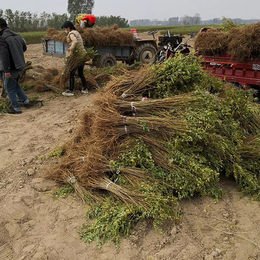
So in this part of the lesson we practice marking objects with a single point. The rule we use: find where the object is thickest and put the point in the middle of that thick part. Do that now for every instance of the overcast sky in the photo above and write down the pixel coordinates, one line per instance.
(148, 9)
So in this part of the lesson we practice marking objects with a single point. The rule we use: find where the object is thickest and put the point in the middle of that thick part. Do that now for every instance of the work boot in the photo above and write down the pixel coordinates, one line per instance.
(13, 111)
(27, 103)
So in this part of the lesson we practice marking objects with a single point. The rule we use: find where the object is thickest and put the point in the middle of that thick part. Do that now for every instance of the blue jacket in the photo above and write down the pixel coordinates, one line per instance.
(16, 46)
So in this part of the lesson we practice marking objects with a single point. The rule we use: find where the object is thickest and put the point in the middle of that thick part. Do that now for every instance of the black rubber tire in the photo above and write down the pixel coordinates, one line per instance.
(105, 60)
(146, 53)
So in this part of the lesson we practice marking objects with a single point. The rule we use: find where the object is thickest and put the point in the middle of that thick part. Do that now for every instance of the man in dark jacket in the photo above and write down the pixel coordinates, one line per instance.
(12, 63)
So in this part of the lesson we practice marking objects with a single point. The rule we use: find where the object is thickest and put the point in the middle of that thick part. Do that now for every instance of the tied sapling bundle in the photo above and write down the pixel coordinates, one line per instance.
(150, 161)
(148, 107)
(79, 57)
(212, 42)
(97, 36)
(239, 41)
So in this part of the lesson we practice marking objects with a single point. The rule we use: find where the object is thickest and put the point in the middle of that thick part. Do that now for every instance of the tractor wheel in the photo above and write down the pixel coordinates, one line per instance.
(146, 53)
(105, 60)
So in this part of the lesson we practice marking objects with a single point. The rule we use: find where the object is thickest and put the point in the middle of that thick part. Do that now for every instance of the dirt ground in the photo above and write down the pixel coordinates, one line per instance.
(35, 225)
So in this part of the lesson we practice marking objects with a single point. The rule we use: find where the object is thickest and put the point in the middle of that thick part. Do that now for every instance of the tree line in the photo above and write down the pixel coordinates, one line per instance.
(27, 21)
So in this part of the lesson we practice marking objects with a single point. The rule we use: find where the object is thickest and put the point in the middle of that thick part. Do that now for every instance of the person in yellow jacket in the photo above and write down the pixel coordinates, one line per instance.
(74, 39)
(86, 20)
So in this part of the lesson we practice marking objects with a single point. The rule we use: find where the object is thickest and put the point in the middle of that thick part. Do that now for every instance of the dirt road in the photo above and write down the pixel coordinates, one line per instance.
(34, 225)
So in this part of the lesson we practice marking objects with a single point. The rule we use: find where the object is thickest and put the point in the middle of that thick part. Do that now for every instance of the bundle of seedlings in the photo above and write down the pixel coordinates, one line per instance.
(98, 36)
(118, 85)
(161, 195)
(191, 162)
(48, 77)
(79, 57)
(173, 77)
(212, 42)
(51, 78)
(241, 42)
(156, 125)
(248, 174)
(148, 107)
(86, 157)
(225, 124)
(150, 162)
(56, 35)
(102, 36)
(177, 76)
(107, 74)
(244, 43)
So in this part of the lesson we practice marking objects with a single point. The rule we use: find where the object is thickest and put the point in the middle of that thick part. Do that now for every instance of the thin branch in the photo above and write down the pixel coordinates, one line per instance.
(235, 234)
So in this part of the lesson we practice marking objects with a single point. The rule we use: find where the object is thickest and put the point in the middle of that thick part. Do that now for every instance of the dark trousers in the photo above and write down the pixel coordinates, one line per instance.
(13, 89)
(80, 70)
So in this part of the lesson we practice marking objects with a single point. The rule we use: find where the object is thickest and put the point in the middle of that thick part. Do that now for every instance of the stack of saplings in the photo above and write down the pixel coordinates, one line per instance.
(170, 136)
(97, 36)
(240, 42)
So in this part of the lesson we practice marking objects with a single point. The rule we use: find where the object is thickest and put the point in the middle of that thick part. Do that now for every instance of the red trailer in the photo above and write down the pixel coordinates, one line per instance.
(246, 74)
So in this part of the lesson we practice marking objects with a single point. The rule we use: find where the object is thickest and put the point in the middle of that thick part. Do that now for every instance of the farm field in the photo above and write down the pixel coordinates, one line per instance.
(35, 225)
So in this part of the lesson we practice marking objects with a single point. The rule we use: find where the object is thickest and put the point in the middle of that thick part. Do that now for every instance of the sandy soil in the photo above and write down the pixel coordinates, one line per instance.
(34, 225)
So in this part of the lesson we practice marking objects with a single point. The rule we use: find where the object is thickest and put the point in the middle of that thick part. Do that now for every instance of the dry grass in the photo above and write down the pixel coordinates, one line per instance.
(103, 135)
(244, 43)
(132, 83)
(212, 42)
(240, 42)
(149, 107)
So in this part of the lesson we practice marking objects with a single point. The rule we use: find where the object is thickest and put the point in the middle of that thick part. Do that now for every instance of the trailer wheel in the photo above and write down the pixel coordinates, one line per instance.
(105, 60)
(146, 53)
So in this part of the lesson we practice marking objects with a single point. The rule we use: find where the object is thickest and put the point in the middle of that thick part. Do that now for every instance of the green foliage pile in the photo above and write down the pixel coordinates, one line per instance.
(176, 76)
(215, 133)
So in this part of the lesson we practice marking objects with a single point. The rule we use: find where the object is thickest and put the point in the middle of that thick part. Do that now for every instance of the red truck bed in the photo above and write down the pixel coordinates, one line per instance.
(231, 70)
